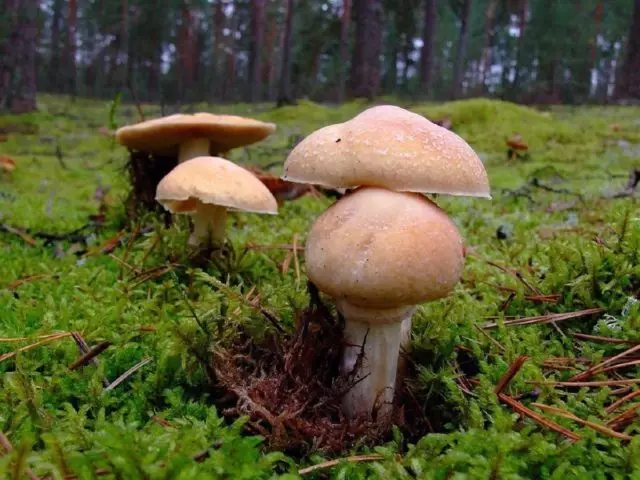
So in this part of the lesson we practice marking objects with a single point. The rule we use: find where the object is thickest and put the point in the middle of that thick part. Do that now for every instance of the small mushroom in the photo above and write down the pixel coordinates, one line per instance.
(189, 136)
(205, 188)
(379, 254)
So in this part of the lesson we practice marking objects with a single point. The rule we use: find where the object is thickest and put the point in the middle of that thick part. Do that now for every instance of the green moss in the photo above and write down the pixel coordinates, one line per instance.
(583, 248)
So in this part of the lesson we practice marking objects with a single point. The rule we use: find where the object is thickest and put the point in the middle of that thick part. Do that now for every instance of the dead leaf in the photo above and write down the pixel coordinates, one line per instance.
(7, 164)
(105, 132)
(282, 190)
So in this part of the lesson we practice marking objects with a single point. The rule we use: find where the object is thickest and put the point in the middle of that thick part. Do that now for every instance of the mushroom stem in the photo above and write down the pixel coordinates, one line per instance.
(372, 341)
(209, 224)
(194, 147)
(405, 344)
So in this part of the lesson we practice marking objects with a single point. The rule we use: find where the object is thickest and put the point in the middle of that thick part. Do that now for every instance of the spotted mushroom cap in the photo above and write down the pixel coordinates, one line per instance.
(390, 147)
(164, 135)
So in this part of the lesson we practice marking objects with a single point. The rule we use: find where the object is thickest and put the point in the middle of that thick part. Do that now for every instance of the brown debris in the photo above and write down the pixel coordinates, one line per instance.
(7, 164)
(523, 410)
(594, 426)
(510, 373)
(542, 319)
(90, 355)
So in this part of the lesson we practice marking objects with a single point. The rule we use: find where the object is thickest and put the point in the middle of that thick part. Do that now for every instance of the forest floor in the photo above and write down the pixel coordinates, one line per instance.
(549, 294)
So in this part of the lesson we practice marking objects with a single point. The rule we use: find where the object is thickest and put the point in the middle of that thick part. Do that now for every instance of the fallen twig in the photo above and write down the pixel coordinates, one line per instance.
(601, 383)
(90, 355)
(510, 373)
(594, 426)
(543, 319)
(597, 338)
(332, 463)
(523, 410)
(128, 373)
(44, 341)
(614, 406)
(590, 372)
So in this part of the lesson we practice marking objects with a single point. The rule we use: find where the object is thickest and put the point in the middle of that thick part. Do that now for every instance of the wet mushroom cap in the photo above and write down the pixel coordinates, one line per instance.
(388, 146)
(376, 248)
(216, 181)
(164, 135)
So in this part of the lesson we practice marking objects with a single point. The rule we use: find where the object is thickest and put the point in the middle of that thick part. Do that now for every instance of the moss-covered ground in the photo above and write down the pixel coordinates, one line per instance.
(560, 235)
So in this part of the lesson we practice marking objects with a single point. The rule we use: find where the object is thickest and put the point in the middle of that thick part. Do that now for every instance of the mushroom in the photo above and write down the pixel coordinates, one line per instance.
(205, 188)
(189, 136)
(396, 151)
(156, 146)
(379, 254)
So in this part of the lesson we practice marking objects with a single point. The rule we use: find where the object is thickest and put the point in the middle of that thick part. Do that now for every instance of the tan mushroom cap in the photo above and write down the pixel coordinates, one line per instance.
(376, 248)
(388, 146)
(164, 135)
(216, 181)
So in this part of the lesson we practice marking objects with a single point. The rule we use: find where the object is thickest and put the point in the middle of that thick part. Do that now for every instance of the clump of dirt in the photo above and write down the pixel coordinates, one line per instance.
(291, 389)
(145, 172)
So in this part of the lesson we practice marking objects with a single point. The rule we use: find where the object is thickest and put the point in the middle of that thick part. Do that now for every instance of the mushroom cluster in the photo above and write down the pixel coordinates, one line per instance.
(200, 183)
(384, 247)
(158, 145)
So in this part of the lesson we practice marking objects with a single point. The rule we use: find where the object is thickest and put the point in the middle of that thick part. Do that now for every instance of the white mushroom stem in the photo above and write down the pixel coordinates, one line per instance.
(381, 334)
(209, 224)
(405, 344)
(194, 147)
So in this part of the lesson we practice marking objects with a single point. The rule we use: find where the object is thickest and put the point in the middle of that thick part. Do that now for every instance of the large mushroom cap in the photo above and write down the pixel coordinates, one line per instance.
(376, 248)
(214, 181)
(164, 135)
(390, 147)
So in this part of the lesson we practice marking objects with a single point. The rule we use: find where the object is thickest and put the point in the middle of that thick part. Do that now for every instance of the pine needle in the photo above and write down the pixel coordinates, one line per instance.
(332, 463)
(594, 426)
(543, 319)
(46, 340)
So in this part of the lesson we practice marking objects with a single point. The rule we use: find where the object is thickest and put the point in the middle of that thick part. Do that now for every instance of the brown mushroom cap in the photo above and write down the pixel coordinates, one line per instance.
(216, 181)
(376, 248)
(164, 135)
(389, 147)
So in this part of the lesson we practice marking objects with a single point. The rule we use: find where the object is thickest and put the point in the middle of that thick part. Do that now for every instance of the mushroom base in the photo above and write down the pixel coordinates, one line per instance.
(209, 225)
(371, 356)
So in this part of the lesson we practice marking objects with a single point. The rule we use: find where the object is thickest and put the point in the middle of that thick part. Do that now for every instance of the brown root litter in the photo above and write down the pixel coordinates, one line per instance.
(145, 172)
(291, 388)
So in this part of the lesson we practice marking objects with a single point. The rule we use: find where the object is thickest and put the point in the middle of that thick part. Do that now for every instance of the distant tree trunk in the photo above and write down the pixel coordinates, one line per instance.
(18, 56)
(485, 63)
(345, 21)
(428, 41)
(217, 52)
(522, 23)
(629, 81)
(54, 63)
(462, 49)
(71, 74)
(186, 53)
(255, 49)
(124, 42)
(229, 79)
(407, 47)
(284, 86)
(365, 64)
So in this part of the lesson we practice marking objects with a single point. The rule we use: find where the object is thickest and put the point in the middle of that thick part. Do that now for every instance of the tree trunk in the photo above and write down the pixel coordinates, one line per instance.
(217, 52)
(186, 52)
(629, 81)
(54, 63)
(344, 48)
(365, 64)
(485, 63)
(124, 41)
(18, 56)
(255, 49)
(428, 41)
(284, 86)
(70, 57)
(462, 49)
(522, 23)
(229, 79)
